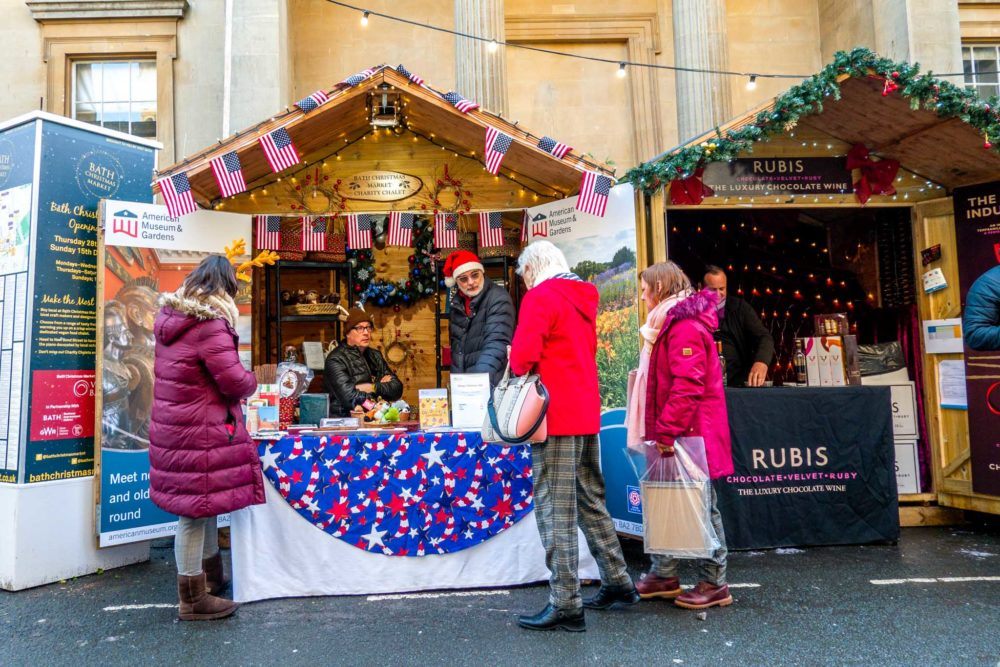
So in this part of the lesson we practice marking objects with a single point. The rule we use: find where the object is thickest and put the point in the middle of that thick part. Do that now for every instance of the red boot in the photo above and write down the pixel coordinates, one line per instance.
(705, 595)
(652, 586)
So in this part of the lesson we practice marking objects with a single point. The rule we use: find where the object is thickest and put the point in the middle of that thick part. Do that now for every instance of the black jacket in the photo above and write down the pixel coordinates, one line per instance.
(348, 366)
(479, 342)
(745, 340)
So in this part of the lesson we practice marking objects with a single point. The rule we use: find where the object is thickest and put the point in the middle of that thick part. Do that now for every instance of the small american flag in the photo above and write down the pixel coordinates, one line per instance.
(491, 230)
(594, 191)
(446, 230)
(314, 234)
(497, 145)
(419, 80)
(359, 230)
(355, 79)
(525, 221)
(401, 228)
(459, 102)
(268, 232)
(176, 191)
(550, 145)
(279, 150)
(229, 174)
(307, 104)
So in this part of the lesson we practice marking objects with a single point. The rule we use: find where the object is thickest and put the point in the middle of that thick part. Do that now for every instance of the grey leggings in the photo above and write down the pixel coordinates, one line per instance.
(196, 539)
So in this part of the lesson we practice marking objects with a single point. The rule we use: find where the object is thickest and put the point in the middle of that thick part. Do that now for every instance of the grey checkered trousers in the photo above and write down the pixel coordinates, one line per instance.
(569, 487)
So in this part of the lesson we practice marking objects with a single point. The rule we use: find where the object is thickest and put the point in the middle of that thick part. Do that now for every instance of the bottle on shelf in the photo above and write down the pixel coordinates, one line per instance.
(801, 376)
(722, 361)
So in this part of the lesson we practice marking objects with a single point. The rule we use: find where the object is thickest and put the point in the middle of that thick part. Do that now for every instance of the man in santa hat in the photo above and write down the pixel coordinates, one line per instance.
(481, 318)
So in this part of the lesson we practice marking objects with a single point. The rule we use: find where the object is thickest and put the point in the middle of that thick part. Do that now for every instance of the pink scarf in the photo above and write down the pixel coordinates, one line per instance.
(635, 411)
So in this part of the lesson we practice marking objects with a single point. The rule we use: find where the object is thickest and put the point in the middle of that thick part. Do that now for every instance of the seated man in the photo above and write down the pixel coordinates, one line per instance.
(481, 318)
(355, 374)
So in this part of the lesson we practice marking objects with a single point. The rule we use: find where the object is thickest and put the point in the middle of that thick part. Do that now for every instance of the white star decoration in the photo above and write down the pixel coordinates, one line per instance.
(308, 454)
(363, 455)
(269, 460)
(524, 494)
(433, 456)
(477, 503)
(413, 532)
(525, 454)
(468, 534)
(375, 537)
(328, 464)
(361, 495)
(312, 506)
(435, 480)
(406, 494)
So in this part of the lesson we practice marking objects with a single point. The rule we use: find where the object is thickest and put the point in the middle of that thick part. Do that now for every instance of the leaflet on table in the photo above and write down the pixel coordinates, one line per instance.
(433, 407)
(470, 392)
(262, 409)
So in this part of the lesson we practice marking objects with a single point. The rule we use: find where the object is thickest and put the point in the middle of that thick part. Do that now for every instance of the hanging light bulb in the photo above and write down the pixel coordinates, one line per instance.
(621, 70)
(752, 82)
(364, 19)
(492, 46)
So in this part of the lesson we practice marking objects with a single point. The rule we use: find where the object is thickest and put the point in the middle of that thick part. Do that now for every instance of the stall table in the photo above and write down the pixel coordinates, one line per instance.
(364, 512)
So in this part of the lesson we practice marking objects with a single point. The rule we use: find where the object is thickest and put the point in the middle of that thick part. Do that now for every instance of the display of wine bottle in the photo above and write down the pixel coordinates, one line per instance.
(801, 376)
(722, 362)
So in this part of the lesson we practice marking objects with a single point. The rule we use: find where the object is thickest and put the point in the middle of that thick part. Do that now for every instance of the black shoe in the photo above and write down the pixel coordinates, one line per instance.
(609, 595)
(552, 618)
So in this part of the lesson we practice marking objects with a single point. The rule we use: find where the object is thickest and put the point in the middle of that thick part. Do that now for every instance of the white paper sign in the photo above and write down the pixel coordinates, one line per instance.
(943, 336)
(469, 394)
(312, 350)
(951, 382)
(137, 225)
(904, 410)
(907, 467)
(934, 280)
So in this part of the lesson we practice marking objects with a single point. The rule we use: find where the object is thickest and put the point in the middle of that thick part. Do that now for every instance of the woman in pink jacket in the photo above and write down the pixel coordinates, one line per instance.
(684, 398)
(201, 459)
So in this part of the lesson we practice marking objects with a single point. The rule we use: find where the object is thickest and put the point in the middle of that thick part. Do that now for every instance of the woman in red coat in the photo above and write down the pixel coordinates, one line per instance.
(201, 459)
(685, 398)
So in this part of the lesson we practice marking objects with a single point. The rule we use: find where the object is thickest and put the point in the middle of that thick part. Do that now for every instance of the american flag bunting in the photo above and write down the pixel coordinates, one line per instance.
(314, 101)
(228, 174)
(459, 102)
(359, 230)
(409, 75)
(446, 230)
(497, 145)
(556, 148)
(177, 195)
(268, 232)
(594, 191)
(279, 150)
(401, 229)
(360, 77)
(314, 234)
(491, 230)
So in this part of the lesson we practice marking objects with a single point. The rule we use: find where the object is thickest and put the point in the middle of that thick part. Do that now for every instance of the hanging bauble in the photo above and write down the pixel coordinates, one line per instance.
(380, 241)
(416, 273)
(411, 259)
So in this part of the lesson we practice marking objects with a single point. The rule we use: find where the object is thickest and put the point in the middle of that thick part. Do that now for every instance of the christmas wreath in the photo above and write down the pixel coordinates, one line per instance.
(420, 282)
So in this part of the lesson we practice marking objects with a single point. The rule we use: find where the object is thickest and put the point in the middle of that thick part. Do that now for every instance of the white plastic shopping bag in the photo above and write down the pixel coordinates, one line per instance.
(676, 500)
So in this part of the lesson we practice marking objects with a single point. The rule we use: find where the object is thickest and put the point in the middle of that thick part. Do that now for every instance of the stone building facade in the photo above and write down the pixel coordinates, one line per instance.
(193, 71)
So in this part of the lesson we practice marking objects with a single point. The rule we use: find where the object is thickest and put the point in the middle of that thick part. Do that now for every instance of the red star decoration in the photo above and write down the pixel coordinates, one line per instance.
(402, 552)
(296, 477)
(497, 477)
(454, 537)
(441, 516)
(360, 544)
(349, 458)
(362, 520)
(502, 508)
(396, 504)
(373, 494)
(421, 464)
(338, 511)
(421, 439)
(526, 471)
(461, 473)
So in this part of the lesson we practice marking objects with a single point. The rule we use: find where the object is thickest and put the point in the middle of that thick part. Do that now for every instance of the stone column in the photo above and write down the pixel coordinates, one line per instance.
(481, 75)
(703, 100)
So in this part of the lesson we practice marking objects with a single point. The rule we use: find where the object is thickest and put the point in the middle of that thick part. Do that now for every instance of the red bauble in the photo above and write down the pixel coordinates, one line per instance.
(987, 145)
(411, 259)
(408, 284)
(396, 308)
(357, 287)
(895, 75)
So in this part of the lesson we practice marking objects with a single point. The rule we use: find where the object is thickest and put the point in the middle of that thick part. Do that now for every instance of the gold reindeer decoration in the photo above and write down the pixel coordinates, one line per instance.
(238, 249)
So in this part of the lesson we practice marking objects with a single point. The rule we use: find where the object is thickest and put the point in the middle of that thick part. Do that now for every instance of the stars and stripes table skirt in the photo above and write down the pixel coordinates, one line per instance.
(377, 513)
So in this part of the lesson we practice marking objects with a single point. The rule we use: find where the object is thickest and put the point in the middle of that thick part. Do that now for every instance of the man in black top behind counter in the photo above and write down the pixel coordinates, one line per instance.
(746, 344)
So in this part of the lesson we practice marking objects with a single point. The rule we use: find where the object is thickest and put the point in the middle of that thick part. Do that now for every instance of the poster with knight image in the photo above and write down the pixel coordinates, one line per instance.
(602, 250)
(145, 253)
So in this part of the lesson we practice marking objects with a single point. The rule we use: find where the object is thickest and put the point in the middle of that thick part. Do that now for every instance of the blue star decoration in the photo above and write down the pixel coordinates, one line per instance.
(402, 494)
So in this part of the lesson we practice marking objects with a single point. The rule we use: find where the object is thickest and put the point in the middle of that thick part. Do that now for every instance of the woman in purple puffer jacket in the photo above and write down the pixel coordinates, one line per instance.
(201, 459)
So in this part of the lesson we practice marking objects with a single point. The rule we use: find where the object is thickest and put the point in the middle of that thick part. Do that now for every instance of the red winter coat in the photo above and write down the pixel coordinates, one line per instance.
(684, 392)
(197, 469)
(556, 337)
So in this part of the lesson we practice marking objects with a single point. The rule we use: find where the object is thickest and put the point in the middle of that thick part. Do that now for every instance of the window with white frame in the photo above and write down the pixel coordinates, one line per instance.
(982, 63)
(116, 94)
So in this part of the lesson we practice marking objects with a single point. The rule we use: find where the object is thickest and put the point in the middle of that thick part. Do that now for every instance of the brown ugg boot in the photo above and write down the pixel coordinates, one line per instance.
(195, 602)
(215, 579)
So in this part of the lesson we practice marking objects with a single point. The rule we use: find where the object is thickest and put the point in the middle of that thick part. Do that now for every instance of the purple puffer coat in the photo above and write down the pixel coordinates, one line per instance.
(197, 467)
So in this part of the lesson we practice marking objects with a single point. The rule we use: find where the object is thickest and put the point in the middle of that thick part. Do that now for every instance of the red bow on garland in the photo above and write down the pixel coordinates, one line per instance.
(689, 190)
(876, 177)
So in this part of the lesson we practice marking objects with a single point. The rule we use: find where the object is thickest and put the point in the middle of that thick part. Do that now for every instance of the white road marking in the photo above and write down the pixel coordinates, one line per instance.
(932, 580)
(426, 596)
(689, 586)
(133, 607)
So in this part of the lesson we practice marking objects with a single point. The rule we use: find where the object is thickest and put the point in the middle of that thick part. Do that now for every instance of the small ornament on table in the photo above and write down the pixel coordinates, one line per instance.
(291, 354)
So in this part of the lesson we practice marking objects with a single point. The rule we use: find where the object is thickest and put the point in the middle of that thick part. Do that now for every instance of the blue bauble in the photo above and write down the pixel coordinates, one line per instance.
(406, 298)
(416, 273)
(381, 301)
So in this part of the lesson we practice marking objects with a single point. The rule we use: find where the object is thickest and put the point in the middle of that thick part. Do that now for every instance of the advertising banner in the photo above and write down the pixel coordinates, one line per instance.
(779, 176)
(17, 160)
(145, 252)
(603, 251)
(977, 234)
(78, 168)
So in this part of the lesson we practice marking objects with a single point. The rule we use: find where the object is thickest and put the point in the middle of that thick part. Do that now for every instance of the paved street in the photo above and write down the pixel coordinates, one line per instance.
(886, 605)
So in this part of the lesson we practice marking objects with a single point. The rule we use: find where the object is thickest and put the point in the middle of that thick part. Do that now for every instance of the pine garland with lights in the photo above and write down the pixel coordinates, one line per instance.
(923, 91)
(420, 282)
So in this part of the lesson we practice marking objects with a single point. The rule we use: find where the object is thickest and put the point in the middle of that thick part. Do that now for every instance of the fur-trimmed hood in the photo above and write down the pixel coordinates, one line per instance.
(700, 305)
(183, 312)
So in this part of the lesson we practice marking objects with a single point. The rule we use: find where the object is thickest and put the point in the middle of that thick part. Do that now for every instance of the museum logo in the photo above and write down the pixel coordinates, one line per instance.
(125, 222)
(99, 174)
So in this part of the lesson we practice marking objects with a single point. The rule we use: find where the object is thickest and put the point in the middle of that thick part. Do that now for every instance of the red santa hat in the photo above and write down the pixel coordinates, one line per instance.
(459, 262)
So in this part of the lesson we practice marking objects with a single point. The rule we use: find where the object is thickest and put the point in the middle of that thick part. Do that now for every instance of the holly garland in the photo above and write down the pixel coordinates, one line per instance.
(923, 91)
(420, 282)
